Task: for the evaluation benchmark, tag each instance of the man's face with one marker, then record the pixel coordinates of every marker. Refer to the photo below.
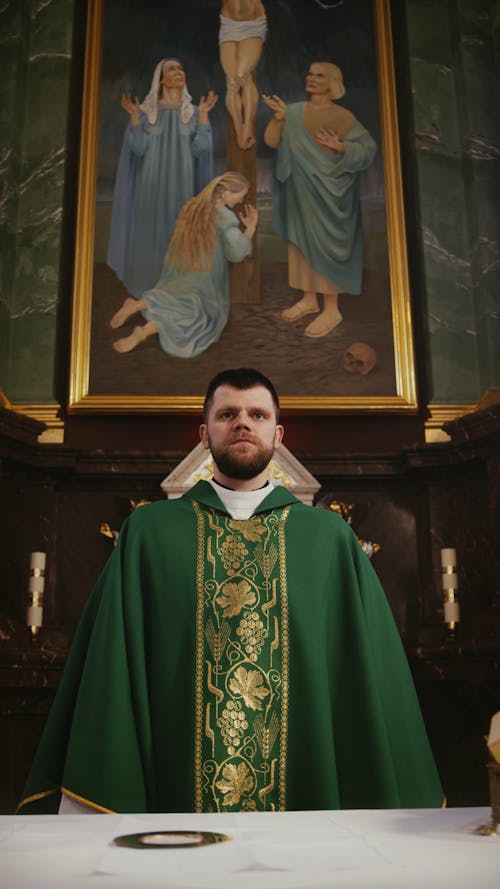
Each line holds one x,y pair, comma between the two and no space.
318,79
241,431
172,74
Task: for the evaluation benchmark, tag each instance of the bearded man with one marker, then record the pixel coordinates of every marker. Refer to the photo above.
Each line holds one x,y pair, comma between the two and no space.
237,654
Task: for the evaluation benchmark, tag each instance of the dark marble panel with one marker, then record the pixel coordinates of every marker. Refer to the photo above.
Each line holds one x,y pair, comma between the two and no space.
428,26
41,34
442,198
32,355
454,365
457,715
4,343
457,136
82,549
12,82
19,736
386,514
495,25
489,361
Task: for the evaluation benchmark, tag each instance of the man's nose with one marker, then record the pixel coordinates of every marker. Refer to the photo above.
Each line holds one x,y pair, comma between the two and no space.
242,420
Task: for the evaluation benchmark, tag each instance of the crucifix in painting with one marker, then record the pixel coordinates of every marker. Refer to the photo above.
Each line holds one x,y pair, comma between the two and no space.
243,27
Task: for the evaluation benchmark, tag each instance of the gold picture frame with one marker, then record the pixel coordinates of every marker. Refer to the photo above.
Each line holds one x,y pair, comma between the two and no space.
82,395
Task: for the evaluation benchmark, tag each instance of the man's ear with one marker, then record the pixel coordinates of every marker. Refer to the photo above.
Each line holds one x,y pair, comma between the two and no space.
278,435
204,436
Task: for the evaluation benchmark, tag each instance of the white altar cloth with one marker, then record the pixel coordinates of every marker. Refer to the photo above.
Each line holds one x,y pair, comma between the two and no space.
382,849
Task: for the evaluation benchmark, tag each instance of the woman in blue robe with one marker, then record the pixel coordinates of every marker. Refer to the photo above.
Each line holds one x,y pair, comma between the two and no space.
189,306
166,158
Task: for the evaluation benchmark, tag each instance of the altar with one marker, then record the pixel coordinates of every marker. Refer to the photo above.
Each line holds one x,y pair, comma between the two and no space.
376,849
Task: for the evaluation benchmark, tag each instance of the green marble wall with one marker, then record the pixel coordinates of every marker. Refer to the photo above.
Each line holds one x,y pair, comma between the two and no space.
35,63
457,140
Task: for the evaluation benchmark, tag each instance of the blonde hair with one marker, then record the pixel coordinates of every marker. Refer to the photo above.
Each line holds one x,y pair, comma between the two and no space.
196,232
337,88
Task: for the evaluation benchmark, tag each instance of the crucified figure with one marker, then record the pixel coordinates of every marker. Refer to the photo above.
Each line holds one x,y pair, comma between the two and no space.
243,26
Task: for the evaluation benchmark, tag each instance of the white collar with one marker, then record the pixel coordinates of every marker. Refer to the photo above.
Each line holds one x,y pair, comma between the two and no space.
241,504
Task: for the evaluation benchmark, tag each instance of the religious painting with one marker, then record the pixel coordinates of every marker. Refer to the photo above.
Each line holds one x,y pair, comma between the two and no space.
240,204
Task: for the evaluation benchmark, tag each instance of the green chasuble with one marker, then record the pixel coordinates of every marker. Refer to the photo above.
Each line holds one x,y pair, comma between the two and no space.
235,665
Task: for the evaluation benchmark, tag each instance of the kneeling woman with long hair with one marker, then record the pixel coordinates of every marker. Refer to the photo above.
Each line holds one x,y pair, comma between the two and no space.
189,306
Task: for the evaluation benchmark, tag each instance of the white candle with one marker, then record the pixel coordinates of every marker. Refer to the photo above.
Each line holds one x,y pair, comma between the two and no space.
38,561
451,612
449,581
34,616
36,586
448,557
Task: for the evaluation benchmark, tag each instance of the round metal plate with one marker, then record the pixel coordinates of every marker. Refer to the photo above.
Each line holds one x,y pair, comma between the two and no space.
170,839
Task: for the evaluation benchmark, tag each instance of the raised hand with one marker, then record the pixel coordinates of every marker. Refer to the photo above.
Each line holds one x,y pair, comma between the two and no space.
205,105
131,106
276,105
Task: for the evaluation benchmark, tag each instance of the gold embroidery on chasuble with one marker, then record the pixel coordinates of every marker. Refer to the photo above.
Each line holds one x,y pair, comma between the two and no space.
241,662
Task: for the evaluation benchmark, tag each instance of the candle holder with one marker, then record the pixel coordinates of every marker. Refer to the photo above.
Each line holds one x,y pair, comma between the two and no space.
449,581
34,610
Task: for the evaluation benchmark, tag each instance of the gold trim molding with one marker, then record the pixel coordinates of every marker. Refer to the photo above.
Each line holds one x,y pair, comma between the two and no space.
47,413
444,413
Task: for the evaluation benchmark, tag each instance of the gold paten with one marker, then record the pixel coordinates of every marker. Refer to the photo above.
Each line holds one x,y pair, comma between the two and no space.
170,839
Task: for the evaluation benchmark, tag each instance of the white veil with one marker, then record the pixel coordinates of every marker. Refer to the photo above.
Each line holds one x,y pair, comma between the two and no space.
150,103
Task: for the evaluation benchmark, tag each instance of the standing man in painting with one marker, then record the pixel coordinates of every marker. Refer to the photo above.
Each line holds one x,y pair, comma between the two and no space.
166,159
237,653
321,150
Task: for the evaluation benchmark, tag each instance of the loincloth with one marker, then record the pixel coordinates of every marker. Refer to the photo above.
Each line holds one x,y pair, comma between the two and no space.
230,30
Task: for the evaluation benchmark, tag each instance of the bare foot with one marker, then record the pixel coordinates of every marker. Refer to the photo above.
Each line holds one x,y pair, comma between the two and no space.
249,142
128,308
308,305
127,343
246,139
323,324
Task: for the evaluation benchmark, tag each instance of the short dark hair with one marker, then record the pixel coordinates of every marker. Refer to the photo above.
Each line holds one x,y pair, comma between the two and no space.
239,378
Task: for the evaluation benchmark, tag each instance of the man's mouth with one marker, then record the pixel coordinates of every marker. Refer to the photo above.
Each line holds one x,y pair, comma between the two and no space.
242,441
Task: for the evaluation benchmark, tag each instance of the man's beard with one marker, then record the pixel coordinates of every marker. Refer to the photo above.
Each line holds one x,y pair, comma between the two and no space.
242,465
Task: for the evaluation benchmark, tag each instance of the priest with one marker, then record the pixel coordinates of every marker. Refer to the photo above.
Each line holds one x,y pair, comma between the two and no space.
237,654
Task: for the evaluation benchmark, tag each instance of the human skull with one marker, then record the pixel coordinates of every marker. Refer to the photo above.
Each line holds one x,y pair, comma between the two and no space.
359,358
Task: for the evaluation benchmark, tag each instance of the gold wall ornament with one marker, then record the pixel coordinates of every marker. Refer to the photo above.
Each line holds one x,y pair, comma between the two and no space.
344,511
135,504
107,531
